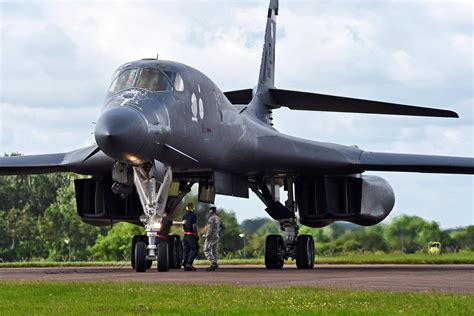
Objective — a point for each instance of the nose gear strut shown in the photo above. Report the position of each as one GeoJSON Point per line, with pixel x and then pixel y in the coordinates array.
{"type": "Point", "coordinates": [153, 195]}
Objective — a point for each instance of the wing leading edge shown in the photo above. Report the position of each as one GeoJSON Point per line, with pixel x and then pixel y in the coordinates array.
{"type": "Point", "coordinates": [84, 161]}
{"type": "Point", "coordinates": [296, 100]}
{"type": "Point", "coordinates": [373, 161]}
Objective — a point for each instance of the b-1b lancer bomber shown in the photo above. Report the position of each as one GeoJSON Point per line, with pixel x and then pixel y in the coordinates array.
{"type": "Point", "coordinates": [165, 126]}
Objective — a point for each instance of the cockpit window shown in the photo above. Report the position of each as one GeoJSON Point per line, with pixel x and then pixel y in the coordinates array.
{"type": "Point", "coordinates": [125, 80]}
{"type": "Point", "coordinates": [179, 83]}
{"type": "Point", "coordinates": [153, 80]}
{"type": "Point", "coordinates": [148, 78]}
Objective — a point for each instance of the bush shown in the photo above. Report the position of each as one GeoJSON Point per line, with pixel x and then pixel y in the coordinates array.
{"type": "Point", "coordinates": [351, 246]}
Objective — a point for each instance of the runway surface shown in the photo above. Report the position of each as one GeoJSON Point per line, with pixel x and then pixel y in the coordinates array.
{"type": "Point", "coordinates": [443, 278]}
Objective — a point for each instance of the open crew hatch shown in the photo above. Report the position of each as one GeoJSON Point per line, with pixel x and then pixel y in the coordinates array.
{"type": "Point", "coordinates": [151, 79]}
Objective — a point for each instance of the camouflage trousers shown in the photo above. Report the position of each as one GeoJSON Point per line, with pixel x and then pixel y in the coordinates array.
{"type": "Point", "coordinates": [210, 249]}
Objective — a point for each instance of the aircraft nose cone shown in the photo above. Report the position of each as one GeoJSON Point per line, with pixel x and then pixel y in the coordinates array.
{"type": "Point", "coordinates": [121, 133]}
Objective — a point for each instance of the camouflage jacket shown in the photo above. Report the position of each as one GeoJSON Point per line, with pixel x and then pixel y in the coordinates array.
{"type": "Point", "coordinates": [214, 227]}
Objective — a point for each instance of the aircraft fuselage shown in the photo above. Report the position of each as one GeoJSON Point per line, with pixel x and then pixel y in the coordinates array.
{"type": "Point", "coordinates": [198, 129]}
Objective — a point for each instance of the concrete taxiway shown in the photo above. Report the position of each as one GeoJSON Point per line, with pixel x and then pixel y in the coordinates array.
{"type": "Point", "coordinates": [443, 278]}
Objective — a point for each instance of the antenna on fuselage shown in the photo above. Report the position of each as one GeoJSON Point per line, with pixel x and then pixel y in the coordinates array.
{"type": "Point", "coordinates": [157, 56]}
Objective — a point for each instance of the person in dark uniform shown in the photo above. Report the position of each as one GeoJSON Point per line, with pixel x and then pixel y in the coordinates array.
{"type": "Point", "coordinates": [166, 223]}
{"type": "Point", "coordinates": [190, 239]}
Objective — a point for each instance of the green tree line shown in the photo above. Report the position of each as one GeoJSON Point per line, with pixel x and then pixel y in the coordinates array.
{"type": "Point", "coordinates": [38, 221]}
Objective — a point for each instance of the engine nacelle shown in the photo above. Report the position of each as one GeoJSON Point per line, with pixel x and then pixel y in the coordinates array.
{"type": "Point", "coordinates": [363, 200]}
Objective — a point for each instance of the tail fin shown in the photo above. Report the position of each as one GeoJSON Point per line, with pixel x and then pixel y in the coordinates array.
{"type": "Point", "coordinates": [267, 98]}
{"type": "Point", "coordinates": [262, 102]}
{"type": "Point", "coordinates": [267, 66]}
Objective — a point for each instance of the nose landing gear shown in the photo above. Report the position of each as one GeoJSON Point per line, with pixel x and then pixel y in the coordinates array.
{"type": "Point", "coordinates": [170, 253]}
{"type": "Point", "coordinates": [153, 194]}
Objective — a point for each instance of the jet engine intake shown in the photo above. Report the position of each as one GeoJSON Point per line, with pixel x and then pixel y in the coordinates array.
{"type": "Point", "coordinates": [363, 200]}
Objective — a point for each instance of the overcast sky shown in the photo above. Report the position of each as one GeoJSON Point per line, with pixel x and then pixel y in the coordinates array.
{"type": "Point", "coordinates": [56, 60]}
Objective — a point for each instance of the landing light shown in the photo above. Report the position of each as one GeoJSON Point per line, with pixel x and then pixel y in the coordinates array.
{"type": "Point", "coordinates": [156, 226]}
{"type": "Point", "coordinates": [133, 158]}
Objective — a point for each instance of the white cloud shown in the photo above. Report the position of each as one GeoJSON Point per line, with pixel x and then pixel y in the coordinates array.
{"type": "Point", "coordinates": [405, 69]}
{"type": "Point", "coordinates": [42, 130]}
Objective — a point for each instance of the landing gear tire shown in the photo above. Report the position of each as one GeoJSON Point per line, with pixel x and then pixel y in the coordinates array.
{"type": "Point", "coordinates": [175, 251]}
{"type": "Point", "coordinates": [273, 252]}
{"type": "Point", "coordinates": [136, 239]}
{"type": "Point", "coordinates": [163, 256]}
{"type": "Point", "coordinates": [304, 252]}
{"type": "Point", "coordinates": [140, 256]}
{"type": "Point", "coordinates": [132, 251]}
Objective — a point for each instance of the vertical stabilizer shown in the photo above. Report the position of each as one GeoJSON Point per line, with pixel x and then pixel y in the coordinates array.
{"type": "Point", "coordinates": [262, 103]}
{"type": "Point", "coordinates": [267, 66]}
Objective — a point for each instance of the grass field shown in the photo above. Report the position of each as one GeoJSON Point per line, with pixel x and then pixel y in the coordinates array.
{"type": "Point", "coordinates": [400, 258]}
{"type": "Point", "coordinates": [367, 258]}
{"type": "Point", "coordinates": [39, 298]}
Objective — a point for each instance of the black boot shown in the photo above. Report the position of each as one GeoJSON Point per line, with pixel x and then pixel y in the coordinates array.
{"type": "Point", "coordinates": [189, 267]}
{"type": "Point", "coordinates": [213, 267]}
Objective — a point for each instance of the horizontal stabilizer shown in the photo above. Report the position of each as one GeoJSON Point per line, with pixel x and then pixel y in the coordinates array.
{"type": "Point", "coordinates": [86, 160]}
{"type": "Point", "coordinates": [416, 163]}
{"type": "Point", "coordinates": [239, 96]}
{"type": "Point", "coordinates": [296, 100]}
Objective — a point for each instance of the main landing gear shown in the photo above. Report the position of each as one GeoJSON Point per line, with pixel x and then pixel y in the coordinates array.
{"type": "Point", "coordinates": [166, 250]}
{"type": "Point", "coordinates": [170, 253]}
{"type": "Point", "coordinates": [280, 248]}
{"type": "Point", "coordinates": [291, 245]}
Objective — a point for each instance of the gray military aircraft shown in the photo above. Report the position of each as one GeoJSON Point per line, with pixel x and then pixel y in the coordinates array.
{"type": "Point", "coordinates": [165, 126]}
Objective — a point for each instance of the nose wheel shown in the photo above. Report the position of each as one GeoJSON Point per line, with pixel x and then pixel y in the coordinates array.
{"type": "Point", "coordinates": [140, 256]}
{"type": "Point", "coordinates": [139, 260]}
{"type": "Point", "coordinates": [134, 255]}
{"type": "Point", "coordinates": [163, 256]}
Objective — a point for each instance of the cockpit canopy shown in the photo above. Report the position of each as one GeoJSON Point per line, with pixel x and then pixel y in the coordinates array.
{"type": "Point", "coordinates": [151, 79]}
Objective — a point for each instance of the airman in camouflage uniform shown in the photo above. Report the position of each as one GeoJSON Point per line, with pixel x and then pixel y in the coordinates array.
{"type": "Point", "coordinates": [215, 226]}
